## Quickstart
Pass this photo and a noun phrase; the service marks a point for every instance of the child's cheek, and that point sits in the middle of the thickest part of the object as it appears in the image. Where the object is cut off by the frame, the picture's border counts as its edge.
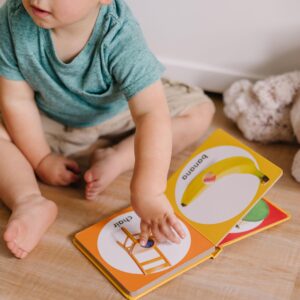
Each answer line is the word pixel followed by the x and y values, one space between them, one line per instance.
pixel 66 14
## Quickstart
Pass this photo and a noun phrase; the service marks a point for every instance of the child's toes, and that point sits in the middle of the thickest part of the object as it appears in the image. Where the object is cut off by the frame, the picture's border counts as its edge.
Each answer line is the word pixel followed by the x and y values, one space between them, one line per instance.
pixel 91 193
pixel 91 196
pixel 23 254
pixel 11 246
pixel 97 184
pixel 88 176
pixel 11 232
pixel 18 253
pixel 15 250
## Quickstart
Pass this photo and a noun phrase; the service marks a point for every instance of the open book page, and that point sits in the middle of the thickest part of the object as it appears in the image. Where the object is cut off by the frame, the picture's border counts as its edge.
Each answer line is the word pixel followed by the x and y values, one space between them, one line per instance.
pixel 219 183
pixel 114 244
pixel 261 217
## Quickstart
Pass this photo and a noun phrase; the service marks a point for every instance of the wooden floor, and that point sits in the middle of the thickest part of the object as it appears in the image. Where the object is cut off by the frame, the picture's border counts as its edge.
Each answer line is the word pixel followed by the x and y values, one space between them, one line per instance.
pixel 265 266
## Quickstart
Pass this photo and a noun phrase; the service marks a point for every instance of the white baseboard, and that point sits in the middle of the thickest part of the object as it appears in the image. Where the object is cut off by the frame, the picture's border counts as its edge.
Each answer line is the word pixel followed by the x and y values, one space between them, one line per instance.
pixel 210 78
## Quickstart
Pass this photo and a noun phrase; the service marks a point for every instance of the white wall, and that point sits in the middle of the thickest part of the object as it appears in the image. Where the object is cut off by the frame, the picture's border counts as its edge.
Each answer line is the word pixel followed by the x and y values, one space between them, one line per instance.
pixel 214 42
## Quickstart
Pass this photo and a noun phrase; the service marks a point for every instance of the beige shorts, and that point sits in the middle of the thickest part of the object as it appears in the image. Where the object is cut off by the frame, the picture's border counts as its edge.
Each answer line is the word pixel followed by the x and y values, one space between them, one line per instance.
pixel 79 141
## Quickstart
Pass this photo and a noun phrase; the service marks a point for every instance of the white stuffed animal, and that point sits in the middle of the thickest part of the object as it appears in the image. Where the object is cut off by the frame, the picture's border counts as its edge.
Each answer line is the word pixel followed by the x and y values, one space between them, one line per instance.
pixel 267 111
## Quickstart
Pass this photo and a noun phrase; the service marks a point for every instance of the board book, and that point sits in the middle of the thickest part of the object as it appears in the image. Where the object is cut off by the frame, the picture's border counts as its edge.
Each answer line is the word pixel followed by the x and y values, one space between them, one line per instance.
pixel 217 196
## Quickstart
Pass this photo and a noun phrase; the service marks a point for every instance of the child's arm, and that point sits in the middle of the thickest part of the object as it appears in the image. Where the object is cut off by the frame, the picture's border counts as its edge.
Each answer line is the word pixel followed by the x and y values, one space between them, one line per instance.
pixel 153 147
pixel 22 121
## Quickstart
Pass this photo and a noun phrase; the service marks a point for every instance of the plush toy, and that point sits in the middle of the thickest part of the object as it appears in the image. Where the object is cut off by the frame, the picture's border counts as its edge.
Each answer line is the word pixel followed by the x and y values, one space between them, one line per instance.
pixel 268 110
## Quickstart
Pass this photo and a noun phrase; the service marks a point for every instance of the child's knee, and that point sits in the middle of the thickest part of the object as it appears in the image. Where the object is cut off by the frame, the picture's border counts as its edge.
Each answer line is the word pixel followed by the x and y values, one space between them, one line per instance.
pixel 201 115
pixel 208 109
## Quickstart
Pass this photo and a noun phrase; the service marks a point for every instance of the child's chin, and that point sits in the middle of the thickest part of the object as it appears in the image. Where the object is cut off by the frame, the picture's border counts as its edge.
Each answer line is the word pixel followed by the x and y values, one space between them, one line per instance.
pixel 44 25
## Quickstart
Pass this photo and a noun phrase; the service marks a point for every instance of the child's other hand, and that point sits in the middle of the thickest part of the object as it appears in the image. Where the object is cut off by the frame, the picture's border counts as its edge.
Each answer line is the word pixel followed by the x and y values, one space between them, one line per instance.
pixel 58 170
pixel 157 219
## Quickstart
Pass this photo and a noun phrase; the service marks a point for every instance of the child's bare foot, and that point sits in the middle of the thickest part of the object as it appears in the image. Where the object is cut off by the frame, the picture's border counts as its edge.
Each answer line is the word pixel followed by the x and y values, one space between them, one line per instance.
pixel 105 167
pixel 27 224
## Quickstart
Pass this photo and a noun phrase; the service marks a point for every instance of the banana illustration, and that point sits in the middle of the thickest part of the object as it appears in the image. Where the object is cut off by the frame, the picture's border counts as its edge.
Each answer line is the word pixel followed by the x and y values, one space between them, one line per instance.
pixel 235 164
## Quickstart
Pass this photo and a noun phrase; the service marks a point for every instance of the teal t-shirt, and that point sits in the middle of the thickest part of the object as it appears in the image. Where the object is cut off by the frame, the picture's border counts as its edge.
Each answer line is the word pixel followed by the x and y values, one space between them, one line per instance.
pixel 114 65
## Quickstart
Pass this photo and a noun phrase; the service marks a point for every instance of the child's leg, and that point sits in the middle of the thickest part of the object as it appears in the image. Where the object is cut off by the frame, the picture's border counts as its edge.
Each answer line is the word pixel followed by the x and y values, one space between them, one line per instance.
pixel 108 163
pixel 31 213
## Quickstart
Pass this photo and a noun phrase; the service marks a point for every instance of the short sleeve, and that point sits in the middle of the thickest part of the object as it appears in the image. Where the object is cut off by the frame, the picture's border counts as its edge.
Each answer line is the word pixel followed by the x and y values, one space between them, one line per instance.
pixel 130 61
pixel 8 62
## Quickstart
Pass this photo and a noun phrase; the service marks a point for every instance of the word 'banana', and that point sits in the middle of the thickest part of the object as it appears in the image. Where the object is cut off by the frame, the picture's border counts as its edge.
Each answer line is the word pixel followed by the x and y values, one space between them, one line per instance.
pixel 236 164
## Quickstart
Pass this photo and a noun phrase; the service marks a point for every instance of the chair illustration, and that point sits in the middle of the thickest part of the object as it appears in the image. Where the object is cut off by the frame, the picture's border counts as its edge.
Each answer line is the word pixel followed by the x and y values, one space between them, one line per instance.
pixel 149 259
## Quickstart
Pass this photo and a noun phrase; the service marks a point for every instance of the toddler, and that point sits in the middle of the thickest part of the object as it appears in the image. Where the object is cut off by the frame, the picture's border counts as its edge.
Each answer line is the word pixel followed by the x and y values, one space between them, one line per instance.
pixel 73 73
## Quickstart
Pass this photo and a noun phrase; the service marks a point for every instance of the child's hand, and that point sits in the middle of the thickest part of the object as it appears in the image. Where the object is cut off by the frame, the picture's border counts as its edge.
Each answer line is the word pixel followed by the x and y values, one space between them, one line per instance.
pixel 58 170
pixel 157 219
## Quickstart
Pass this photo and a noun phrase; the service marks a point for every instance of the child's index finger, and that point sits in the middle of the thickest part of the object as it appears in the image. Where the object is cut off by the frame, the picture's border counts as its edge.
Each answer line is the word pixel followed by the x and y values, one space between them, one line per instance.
pixel 144 234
